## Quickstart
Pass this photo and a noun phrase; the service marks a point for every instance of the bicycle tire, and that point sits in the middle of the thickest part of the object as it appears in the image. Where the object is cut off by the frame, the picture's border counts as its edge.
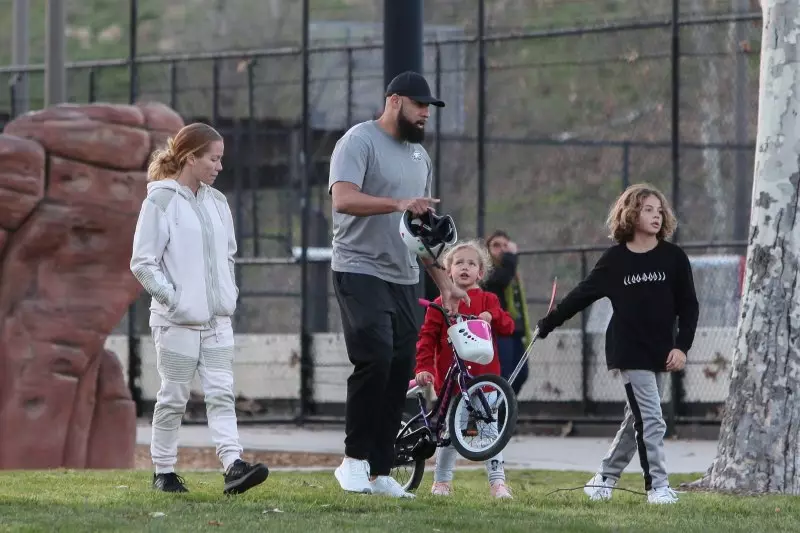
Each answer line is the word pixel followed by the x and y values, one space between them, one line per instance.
pixel 418 465
pixel 504 434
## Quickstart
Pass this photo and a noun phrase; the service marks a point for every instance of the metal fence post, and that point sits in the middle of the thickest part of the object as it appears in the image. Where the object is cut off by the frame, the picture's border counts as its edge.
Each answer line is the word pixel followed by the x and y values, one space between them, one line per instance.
pixel 306 356
pixel 437 136
pixel 92 96
pixel 215 91
pixel 585 351
pixel 132 50
pixel 350 69
pixel 55 72
pixel 676 104
pixel 741 219
pixel 252 171
pixel 677 377
pixel 12 87
pixel 20 52
pixel 134 353
pixel 173 86
pixel 481 118
pixel 237 200
pixel 626 164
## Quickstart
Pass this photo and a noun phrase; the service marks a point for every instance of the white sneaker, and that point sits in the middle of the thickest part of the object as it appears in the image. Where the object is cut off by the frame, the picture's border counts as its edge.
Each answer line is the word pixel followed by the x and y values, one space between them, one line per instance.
pixel 353 475
pixel 599 489
pixel 662 495
pixel 390 487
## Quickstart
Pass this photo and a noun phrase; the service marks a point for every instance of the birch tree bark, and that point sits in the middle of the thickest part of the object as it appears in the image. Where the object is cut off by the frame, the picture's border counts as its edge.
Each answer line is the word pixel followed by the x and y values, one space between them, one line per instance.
pixel 759 442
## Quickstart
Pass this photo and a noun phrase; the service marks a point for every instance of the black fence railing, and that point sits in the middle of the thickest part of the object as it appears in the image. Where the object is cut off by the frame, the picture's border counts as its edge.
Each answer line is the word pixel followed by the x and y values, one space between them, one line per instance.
pixel 543 129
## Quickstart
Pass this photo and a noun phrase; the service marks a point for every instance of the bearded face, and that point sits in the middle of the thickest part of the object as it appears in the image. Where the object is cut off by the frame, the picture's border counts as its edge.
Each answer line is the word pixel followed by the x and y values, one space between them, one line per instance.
pixel 411 122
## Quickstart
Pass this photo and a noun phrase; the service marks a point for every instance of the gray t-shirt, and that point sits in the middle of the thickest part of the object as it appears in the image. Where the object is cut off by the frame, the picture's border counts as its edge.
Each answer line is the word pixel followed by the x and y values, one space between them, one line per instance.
pixel 379 165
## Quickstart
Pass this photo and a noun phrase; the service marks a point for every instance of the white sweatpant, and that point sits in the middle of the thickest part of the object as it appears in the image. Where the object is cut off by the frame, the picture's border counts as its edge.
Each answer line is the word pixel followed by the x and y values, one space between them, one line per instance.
pixel 181 352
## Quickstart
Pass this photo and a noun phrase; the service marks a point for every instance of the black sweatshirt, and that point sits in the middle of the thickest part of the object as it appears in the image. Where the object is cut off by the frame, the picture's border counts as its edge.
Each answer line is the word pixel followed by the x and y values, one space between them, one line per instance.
pixel 647 291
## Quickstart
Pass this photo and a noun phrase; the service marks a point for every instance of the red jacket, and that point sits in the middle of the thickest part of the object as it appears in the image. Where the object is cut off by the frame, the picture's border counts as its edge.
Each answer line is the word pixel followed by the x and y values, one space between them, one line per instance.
pixel 434 354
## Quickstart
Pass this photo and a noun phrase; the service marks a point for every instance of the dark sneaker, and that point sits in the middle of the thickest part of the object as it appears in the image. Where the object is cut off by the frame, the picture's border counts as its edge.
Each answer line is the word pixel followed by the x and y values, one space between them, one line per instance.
pixel 242 476
pixel 171 482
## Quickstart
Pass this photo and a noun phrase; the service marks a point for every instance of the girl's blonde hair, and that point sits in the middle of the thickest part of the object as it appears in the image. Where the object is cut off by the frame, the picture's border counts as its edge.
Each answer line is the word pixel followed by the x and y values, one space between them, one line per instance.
pixel 625 212
pixel 484 259
pixel 193 139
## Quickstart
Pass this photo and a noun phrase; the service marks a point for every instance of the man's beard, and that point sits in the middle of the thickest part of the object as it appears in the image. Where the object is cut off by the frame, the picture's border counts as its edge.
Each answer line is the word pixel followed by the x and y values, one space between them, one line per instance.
pixel 408 130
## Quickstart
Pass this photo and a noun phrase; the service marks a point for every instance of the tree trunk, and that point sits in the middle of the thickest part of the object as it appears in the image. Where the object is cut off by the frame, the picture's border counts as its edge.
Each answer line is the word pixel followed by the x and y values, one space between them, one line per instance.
pixel 759 442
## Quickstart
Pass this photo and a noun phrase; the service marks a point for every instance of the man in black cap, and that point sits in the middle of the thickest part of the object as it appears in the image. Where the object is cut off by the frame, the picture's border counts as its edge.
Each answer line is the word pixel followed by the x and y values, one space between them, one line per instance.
pixel 417 97
pixel 379 170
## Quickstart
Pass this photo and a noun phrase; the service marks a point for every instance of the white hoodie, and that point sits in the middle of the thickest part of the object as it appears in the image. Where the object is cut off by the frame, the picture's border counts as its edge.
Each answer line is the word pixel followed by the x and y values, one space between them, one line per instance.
pixel 183 255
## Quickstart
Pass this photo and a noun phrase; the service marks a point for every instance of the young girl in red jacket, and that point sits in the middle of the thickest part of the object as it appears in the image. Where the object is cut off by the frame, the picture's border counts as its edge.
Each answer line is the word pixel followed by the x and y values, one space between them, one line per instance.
pixel 467 263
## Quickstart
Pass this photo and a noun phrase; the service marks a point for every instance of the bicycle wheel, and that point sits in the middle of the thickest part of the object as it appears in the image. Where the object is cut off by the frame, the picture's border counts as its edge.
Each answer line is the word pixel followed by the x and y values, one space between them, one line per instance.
pixel 466 421
pixel 411 449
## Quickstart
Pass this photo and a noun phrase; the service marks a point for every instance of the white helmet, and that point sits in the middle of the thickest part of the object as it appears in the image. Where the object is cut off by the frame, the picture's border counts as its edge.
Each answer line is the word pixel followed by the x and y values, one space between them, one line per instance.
pixel 428 235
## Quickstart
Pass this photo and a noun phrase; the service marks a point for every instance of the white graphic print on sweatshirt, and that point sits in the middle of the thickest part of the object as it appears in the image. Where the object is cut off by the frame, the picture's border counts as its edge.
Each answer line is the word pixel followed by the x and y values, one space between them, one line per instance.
pixel 647 277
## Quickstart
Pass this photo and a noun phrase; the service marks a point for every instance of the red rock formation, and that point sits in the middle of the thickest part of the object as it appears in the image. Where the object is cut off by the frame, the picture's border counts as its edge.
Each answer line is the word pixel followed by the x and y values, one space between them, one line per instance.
pixel 71 183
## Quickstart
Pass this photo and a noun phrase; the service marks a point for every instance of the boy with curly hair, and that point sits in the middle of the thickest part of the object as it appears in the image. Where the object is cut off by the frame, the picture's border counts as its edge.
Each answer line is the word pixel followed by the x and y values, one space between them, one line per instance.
pixel 649 282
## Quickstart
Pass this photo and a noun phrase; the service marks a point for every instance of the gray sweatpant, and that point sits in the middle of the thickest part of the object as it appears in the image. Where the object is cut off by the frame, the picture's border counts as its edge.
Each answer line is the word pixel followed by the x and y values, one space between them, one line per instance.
pixel 642 430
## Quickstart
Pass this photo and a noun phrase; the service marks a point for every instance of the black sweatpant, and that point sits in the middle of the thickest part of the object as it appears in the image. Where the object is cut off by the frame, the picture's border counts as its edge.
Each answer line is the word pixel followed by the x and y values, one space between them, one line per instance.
pixel 380 326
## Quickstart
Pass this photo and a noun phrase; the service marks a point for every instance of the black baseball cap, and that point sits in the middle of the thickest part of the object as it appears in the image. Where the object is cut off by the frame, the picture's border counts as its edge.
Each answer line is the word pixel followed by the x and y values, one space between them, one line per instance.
pixel 412 85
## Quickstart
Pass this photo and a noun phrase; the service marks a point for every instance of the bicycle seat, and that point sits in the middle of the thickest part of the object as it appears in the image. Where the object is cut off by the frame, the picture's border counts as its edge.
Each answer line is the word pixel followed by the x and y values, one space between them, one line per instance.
pixel 427 391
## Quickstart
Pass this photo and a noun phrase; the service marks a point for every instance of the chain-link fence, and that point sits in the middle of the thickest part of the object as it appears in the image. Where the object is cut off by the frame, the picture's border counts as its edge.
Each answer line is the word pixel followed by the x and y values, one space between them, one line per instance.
pixel 543 127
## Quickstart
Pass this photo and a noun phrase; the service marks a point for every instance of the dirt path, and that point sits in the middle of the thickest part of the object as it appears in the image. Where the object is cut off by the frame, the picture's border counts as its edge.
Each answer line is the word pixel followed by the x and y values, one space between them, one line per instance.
pixel 190 458
pixel 205 458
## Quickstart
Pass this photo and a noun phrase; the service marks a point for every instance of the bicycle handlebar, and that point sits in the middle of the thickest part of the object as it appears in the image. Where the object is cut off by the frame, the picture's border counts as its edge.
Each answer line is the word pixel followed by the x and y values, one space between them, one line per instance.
pixel 427 303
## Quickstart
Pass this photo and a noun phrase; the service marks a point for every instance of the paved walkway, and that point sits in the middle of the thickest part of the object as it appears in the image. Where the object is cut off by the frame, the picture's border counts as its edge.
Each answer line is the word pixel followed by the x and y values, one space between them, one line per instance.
pixel 552 453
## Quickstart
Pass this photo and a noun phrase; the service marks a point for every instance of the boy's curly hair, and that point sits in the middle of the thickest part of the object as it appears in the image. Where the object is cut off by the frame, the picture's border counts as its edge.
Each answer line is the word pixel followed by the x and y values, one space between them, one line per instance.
pixel 625 212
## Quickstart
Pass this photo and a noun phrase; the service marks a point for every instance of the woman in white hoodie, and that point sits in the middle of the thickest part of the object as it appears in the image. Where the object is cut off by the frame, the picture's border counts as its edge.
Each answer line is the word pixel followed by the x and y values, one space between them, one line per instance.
pixel 183 255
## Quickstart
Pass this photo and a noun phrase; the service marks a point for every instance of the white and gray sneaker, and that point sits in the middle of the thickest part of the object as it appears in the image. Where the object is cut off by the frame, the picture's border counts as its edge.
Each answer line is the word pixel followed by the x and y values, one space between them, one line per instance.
pixel 662 495
pixel 599 488
pixel 388 486
pixel 353 475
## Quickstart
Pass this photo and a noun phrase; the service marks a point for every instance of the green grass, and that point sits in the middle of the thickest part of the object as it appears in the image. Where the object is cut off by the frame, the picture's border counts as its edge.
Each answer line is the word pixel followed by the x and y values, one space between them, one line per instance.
pixel 312 502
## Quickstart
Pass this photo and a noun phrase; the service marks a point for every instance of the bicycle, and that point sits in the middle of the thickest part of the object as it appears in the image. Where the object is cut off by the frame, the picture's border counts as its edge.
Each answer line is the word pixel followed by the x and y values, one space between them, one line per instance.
pixel 471 341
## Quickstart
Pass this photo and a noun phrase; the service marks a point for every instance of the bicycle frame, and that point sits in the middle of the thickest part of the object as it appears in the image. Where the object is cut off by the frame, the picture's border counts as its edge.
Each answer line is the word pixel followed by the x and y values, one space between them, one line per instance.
pixel 456 374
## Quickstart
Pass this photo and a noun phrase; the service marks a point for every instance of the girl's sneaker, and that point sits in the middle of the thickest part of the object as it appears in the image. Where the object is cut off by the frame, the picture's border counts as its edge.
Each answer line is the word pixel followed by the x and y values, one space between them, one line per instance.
pixel 442 488
pixel 499 489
